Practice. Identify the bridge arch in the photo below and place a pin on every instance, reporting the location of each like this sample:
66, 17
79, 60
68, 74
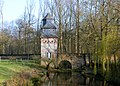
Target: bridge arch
71, 60
66, 61
65, 64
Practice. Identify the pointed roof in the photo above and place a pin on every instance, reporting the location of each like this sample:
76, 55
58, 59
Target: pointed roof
48, 16
48, 32
49, 25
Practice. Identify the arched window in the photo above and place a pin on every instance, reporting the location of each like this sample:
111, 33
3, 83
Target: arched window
52, 41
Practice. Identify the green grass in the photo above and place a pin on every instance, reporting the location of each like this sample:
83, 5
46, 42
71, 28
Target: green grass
10, 68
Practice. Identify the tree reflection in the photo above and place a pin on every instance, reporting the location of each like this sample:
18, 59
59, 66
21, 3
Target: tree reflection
72, 79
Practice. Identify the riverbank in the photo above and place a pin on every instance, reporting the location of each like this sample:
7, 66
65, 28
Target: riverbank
30, 72
9, 69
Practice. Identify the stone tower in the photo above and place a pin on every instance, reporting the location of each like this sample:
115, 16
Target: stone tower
49, 37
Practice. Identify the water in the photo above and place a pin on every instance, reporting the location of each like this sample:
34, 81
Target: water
57, 79
70, 79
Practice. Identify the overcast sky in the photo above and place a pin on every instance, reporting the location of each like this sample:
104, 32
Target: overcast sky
13, 9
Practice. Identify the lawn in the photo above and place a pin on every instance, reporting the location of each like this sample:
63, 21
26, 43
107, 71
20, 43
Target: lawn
10, 68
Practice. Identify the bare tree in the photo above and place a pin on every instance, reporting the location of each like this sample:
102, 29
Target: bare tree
1, 14
1, 11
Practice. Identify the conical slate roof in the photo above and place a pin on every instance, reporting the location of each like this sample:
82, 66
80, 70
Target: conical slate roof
49, 29
49, 25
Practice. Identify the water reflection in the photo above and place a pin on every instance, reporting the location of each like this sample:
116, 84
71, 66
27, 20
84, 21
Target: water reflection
70, 79
56, 79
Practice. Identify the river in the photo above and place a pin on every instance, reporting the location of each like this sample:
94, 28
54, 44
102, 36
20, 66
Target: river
71, 79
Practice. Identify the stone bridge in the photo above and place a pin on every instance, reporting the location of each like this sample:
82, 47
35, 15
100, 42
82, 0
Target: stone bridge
71, 59
67, 60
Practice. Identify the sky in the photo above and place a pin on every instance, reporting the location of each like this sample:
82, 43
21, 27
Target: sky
13, 9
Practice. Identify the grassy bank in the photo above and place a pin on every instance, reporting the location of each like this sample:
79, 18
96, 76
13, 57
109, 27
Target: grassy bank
8, 69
